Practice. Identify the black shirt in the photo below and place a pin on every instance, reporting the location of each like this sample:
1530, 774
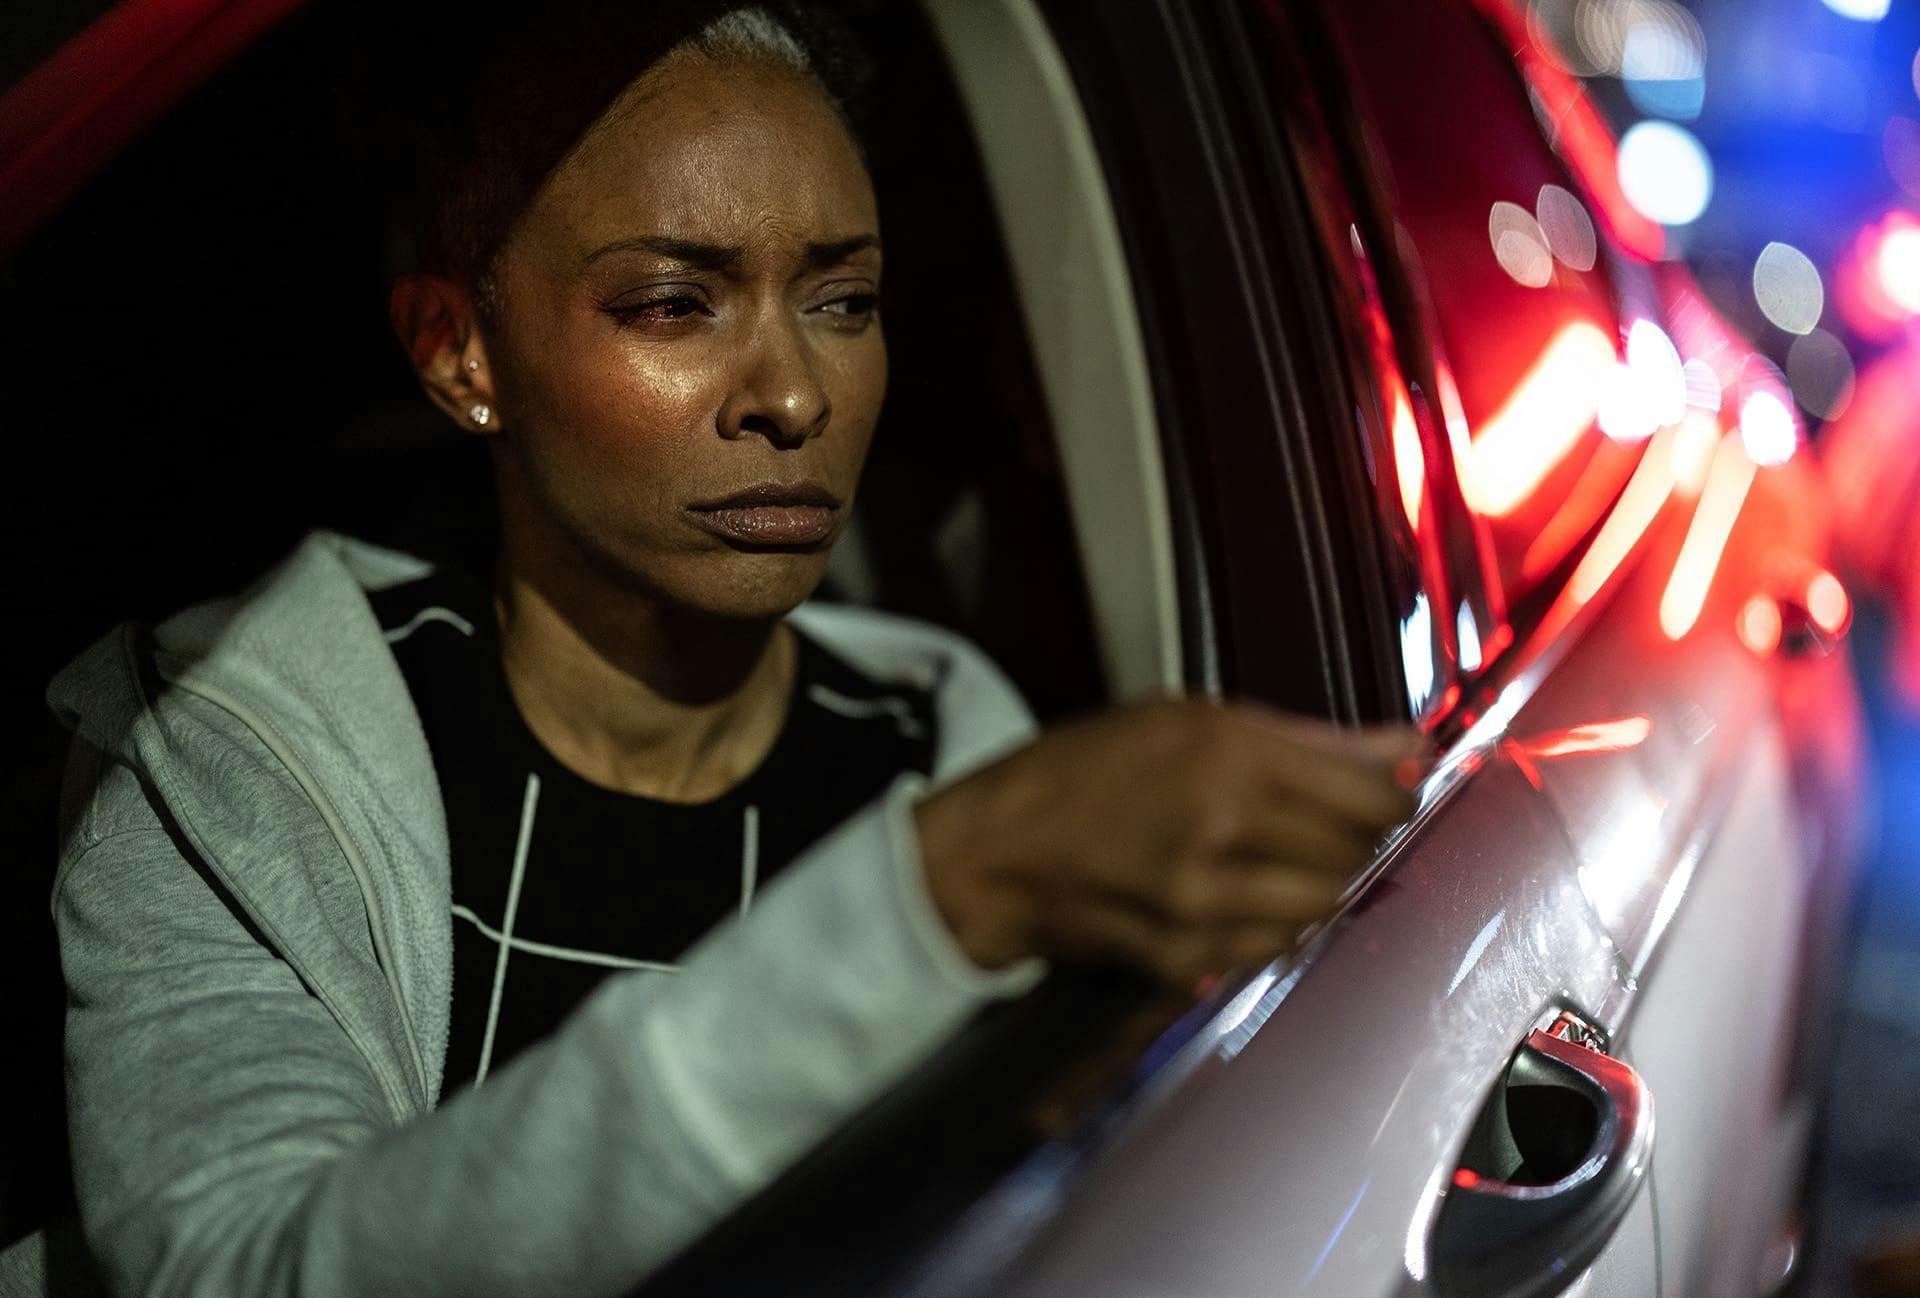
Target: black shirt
557, 881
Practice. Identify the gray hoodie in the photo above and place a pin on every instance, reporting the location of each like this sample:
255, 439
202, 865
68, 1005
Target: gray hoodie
253, 908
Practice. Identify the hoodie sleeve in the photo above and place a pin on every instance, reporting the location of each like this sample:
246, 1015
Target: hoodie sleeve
231, 1137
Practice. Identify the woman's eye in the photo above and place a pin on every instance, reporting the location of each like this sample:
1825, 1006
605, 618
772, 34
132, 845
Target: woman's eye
856, 305
679, 306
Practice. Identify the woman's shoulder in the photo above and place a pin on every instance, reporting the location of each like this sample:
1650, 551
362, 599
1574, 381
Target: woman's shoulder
980, 712
296, 667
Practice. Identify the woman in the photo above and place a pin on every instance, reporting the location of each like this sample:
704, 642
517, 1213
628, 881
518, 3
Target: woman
326, 1033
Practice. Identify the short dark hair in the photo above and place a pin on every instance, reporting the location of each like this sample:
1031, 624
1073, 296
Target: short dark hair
536, 76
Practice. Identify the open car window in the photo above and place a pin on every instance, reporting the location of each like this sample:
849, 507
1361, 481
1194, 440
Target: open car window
935, 1189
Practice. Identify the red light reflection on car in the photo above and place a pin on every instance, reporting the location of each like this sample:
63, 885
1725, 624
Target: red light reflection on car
1726, 492
1638, 506
69, 116
1409, 462
1581, 509
1554, 402
1694, 443
1613, 736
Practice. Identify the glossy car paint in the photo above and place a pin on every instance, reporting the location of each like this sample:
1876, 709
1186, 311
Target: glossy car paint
1307, 1152
1661, 887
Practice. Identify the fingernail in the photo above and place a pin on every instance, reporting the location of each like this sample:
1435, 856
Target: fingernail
1409, 772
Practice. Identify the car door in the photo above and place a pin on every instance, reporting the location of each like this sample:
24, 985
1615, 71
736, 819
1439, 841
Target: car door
1533, 596
1657, 546
1307, 1139
1431, 1097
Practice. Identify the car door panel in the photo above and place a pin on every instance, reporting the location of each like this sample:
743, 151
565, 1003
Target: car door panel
1691, 855
1305, 1150
1703, 864
1631, 1265
1711, 1030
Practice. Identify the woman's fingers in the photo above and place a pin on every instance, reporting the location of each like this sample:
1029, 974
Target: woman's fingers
1357, 775
1384, 744
1302, 835
1179, 835
1202, 918
1266, 892
1364, 791
1176, 952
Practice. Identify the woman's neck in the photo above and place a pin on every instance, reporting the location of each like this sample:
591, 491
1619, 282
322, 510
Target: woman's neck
636, 697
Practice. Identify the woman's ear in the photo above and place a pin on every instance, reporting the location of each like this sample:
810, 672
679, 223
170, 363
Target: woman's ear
435, 321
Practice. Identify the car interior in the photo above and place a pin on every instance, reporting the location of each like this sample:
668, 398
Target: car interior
212, 376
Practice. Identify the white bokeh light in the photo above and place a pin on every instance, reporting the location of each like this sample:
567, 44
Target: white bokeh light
1519, 245
1467, 632
1768, 430
1703, 385
1663, 67
1665, 172
1866, 11
1787, 286
1567, 228
1623, 416
1648, 391
1657, 372
1641, 38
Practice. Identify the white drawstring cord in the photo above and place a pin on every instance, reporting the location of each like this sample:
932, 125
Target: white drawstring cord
749, 856
527, 805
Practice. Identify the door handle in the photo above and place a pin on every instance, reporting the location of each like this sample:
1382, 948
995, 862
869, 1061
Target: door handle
1548, 1175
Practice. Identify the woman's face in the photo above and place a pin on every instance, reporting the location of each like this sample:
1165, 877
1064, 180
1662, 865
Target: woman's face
687, 355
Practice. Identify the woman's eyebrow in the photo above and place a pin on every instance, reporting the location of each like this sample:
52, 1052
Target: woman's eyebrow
714, 256
822, 255
703, 256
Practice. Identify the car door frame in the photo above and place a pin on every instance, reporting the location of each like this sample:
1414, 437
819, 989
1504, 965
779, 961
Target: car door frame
1278, 585
1278, 598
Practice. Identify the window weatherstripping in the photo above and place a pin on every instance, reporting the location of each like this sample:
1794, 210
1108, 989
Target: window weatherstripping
1064, 242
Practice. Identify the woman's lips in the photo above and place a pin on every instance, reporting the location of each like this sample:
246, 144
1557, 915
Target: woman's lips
771, 515
770, 524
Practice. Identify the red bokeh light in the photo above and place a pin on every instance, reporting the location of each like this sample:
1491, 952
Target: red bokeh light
1878, 282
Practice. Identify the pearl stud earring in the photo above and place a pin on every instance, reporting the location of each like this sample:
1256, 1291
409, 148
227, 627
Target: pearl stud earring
480, 415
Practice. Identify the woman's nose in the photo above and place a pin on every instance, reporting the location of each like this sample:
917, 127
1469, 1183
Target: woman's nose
780, 396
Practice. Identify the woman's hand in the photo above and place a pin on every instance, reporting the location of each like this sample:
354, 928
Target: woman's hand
1186, 837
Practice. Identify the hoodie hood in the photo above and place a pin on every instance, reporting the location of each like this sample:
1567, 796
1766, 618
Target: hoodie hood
292, 684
